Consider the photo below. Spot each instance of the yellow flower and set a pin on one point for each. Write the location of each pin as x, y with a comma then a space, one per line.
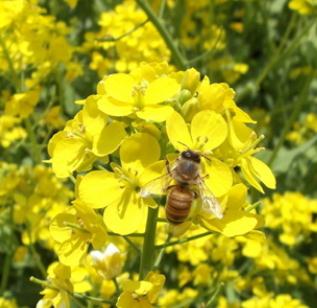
292, 215
90, 135
142, 293
123, 95
22, 104
239, 151
118, 191
10, 131
254, 243
56, 294
202, 274
208, 130
236, 221
8, 303
304, 7
54, 117
74, 230
109, 262
143, 44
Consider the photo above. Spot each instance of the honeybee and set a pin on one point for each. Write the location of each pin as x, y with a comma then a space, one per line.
188, 185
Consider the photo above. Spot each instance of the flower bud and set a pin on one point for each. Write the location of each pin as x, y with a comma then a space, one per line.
109, 262
191, 80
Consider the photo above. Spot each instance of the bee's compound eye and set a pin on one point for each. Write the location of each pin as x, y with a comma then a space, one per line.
186, 154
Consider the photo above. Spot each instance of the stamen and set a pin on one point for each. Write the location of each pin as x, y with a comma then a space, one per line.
252, 145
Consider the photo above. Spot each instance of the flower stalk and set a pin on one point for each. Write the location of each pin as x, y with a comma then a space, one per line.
170, 42
148, 250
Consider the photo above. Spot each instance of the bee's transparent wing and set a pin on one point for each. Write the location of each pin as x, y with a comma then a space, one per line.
210, 204
157, 186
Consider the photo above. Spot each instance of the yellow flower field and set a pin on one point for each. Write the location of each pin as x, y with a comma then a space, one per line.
158, 153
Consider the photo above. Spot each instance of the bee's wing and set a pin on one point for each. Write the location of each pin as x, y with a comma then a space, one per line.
210, 204
157, 186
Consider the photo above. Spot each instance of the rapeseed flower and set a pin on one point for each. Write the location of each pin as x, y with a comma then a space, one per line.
83, 140
109, 262
73, 231
123, 95
119, 190
59, 287
142, 293
125, 52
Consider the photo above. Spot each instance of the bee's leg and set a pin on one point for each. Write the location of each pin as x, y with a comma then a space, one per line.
204, 177
195, 194
167, 164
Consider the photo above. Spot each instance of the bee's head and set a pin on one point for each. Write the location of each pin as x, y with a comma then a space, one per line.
191, 155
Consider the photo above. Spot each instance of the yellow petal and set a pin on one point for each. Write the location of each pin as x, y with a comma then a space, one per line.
113, 107
126, 216
178, 133
140, 148
219, 178
67, 153
242, 116
246, 170
241, 223
263, 172
161, 90
255, 241
99, 189
120, 87
71, 252
126, 300
208, 130
239, 134
59, 230
237, 196
234, 223
93, 119
155, 113
109, 139
153, 171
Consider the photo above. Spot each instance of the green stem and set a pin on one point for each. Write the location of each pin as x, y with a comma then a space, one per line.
132, 244
116, 285
297, 108
115, 39
161, 253
179, 59
208, 52
253, 206
12, 70
6, 272
281, 52
46, 284
35, 255
131, 235
35, 148
277, 52
148, 250
185, 240
214, 295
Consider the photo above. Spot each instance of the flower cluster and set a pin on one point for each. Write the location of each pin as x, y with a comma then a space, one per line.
148, 114
120, 141
293, 215
125, 39
304, 129
33, 48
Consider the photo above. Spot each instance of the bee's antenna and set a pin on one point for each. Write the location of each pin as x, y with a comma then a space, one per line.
182, 143
203, 155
